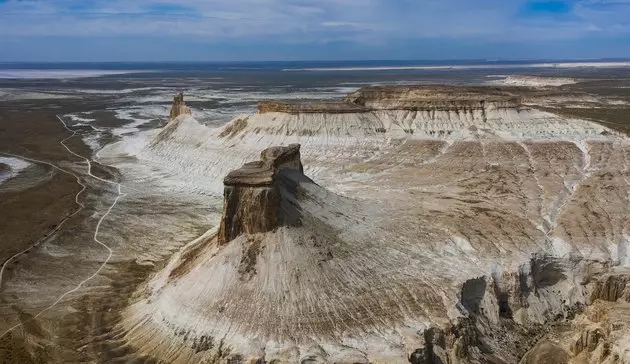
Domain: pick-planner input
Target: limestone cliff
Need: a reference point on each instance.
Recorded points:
(179, 107)
(252, 196)
(446, 225)
(332, 268)
(410, 98)
(431, 97)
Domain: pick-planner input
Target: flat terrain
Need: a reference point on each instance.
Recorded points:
(38, 199)
(32, 130)
(57, 260)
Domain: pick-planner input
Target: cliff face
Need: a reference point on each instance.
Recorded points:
(331, 267)
(410, 98)
(253, 197)
(453, 235)
(311, 108)
(179, 107)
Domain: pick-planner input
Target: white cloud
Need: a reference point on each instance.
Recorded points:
(308, 21)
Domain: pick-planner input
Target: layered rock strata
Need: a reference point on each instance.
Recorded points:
(252, 197)
(446, 225)
(179, 107)
(423, 98)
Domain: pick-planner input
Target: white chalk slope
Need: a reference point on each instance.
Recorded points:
(410, 205)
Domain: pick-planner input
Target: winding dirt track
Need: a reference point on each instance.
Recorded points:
(81, 207)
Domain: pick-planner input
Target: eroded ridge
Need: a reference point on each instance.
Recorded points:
(408, 98)
(447, 223)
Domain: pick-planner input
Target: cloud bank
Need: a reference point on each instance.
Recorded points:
(244, 28)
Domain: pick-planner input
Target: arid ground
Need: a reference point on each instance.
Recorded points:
(54, 214)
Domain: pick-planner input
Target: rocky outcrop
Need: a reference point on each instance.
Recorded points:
(434, 351)
(179, 107)
(610, 288)
(310, 108)
(253, 197)
(588, 340)
(431, 236)
(5, 168)
(409, 98)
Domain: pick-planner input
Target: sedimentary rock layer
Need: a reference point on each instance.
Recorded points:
(454, 232)
(253, 197)
(420, 98)
(179, 107)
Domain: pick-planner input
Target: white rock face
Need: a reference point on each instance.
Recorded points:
(417, 219)
(536, 81)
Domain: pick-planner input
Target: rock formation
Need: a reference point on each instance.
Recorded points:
(252, 196)
(179, 107)
(409, 98)
(611, 288)
(5, 168)
(431, 97)
(446, 225)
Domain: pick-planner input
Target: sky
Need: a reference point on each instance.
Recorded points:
(261, 30)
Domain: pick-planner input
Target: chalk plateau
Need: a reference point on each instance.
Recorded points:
(536, 81)
(423, 224)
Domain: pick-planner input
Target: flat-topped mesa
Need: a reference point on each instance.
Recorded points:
(311, 108)
(430, 97)
(252, 196)
(179, 107)
(413, 98)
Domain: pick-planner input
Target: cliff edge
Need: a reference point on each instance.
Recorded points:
(411, 98)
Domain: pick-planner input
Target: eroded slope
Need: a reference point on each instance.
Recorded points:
(461, 215)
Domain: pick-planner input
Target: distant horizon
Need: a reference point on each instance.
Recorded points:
(494, 60)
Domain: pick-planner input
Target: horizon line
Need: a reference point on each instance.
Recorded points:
(486, 60)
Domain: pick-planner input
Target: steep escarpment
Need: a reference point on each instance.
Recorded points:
(327, 131)
(431, 97)
(333, 275)
(411, 112)
(473, 230)
(253, 197)
(424, 98)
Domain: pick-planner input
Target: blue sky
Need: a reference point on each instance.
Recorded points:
(219, 30)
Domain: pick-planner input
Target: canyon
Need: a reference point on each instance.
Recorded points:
(423, 224)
